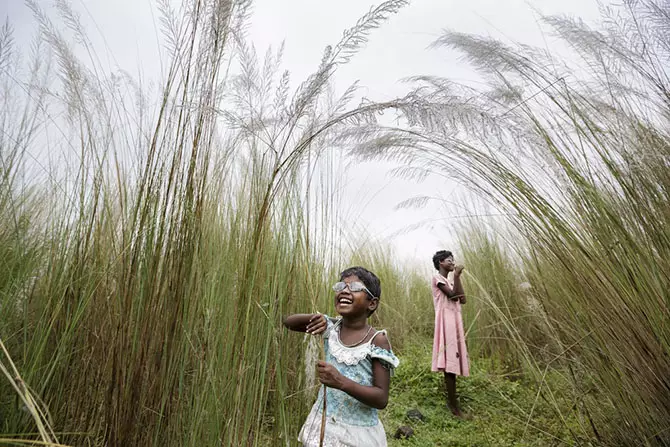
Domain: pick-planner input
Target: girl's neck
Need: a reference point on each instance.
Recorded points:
(355, 323)
(444, 272)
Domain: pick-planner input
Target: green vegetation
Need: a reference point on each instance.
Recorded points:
(577, 157)
(151, 241)
(503, 409)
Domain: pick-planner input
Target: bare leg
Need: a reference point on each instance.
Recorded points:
(452, 399)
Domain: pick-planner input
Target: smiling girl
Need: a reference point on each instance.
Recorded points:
(358, 367)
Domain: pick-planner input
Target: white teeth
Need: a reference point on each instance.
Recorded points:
(345, 301)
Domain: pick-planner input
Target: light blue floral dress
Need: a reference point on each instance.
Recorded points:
(349, 422)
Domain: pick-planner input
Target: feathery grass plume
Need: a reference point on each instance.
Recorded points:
(176, 235)
(578, 153)
(19, 212)
(281, 140)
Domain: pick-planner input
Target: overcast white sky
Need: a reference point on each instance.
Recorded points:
(125, 34)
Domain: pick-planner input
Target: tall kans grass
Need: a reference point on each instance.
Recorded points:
(577, 154)
(151, 242)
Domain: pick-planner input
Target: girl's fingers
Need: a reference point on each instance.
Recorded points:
(314, 329)
(315, 321)
(316, 324)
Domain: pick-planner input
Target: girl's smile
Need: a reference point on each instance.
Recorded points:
(344, 301)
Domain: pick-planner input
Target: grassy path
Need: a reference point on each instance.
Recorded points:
(500, 408)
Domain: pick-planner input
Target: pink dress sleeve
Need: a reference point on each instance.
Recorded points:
(438, 295)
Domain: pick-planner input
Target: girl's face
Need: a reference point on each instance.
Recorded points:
(348, 303)
(448, 263)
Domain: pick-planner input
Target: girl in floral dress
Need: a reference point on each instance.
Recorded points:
(358, 366)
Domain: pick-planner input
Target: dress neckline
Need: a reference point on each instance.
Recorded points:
(336, 330)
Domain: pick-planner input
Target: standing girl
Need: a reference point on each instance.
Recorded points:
(358, 367)
(450, 356)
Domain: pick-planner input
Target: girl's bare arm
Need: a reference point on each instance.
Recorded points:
(457, 293)
(448, 291)
(311, 323)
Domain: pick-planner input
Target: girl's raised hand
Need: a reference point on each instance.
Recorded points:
(317, 324)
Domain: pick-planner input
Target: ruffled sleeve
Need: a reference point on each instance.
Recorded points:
(386, 357)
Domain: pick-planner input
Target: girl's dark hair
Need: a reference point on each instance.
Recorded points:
(369, 279)
(439, 257)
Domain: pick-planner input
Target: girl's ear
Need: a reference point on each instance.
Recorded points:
(373, 304)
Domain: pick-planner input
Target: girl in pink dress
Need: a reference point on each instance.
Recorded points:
(450, 356)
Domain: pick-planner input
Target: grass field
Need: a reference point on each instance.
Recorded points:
(503, 408)
(151, 239)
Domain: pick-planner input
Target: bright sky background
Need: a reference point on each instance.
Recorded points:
(125, 34)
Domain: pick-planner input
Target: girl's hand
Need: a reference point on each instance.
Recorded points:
(317, 324)
(458, 269)
(329, 375)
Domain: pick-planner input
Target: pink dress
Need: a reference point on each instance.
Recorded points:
(449, 351)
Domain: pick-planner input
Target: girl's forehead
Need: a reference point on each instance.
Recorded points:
(351, 278)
